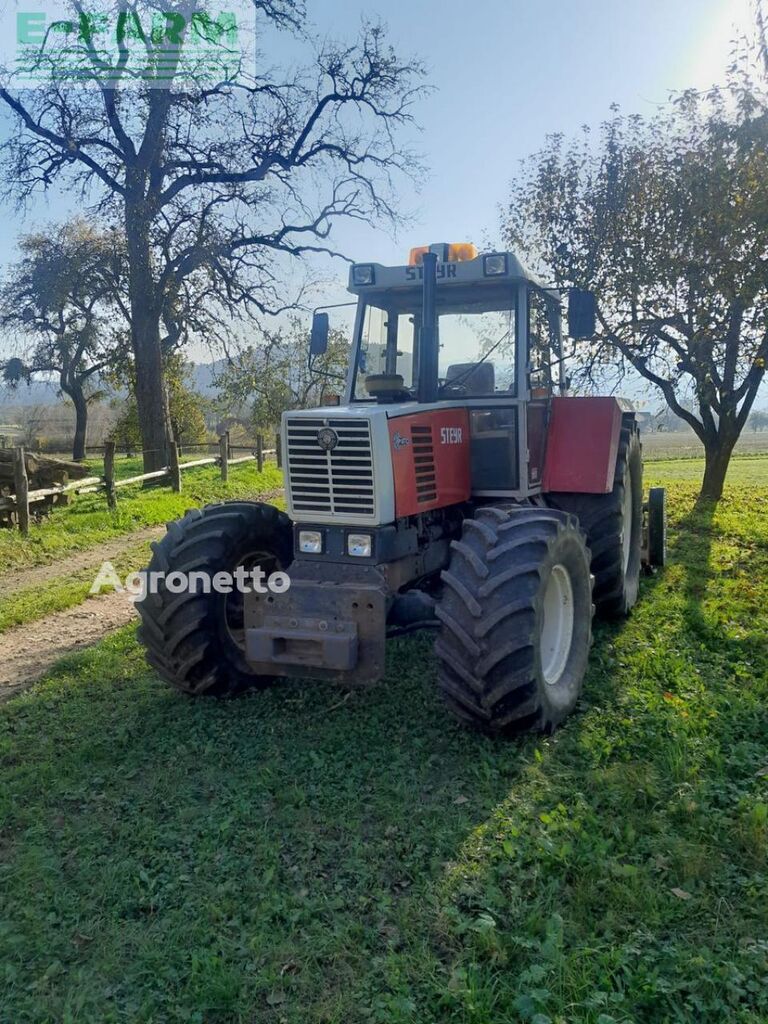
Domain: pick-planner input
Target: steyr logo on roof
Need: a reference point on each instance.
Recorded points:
(327, 438)
(443, 270)
(399, 441)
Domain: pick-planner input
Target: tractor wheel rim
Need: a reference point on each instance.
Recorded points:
(234, 603)
(557, 626)
(627, 516)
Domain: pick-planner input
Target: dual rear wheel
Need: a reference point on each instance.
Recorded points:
(613, 524)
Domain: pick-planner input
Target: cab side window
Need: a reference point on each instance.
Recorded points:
(543, 344)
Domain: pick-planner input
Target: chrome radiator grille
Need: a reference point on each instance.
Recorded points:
(337, 481)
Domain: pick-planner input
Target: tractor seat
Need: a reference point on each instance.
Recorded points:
(479, 378)
(387, 387)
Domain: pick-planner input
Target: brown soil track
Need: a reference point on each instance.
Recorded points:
(76, 561)
(29, 650)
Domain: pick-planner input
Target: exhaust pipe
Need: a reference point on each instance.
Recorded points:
(428, 344)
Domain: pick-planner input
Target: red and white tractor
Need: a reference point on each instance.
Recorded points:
(457, 487)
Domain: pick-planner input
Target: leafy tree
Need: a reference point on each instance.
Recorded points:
(667, 221)
(759, 420)
(59, 301)
(186, 410)
(215, 183)
(275, 376)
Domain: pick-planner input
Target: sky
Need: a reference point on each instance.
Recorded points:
(509, 72)
(505, 74)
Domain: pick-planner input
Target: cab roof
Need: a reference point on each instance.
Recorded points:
(462, 275)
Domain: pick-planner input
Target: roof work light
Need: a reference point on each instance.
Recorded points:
(362, 273)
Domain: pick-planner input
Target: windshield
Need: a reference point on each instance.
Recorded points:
(476, 349)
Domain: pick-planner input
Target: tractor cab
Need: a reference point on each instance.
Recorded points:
(483, 306)
(489, 339)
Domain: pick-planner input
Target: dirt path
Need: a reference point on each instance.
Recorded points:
(76, 561)
(27, 651)
(73, 562)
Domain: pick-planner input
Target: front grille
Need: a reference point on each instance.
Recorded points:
(424, 463)
(330, 482)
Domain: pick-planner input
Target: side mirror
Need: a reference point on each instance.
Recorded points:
(318, 339)
(582, 314)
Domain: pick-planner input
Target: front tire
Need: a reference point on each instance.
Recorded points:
(194, 640)
(515, 620)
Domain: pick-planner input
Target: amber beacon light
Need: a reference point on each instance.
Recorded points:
(447, 252)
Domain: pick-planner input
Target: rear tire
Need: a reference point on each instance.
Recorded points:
(657, 527)
(515, 620)
(614, 527)
(195, 640)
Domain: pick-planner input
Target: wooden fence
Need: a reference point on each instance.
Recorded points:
(18, 504)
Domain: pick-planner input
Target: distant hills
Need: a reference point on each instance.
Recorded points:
(41, 392)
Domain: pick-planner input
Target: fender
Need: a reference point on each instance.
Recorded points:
(582, 444)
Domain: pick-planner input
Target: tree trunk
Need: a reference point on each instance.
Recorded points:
(151, 392)
(717, 459)
(74, 391)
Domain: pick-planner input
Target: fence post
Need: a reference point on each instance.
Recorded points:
(21, 485)
(173, 465)
(224, 456)
(278, 451)
(259, 452)
(109, 473)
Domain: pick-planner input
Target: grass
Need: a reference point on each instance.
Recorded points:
(133, 465)
(64, 591)
(88, 521)
(305, 855)
(745, 471)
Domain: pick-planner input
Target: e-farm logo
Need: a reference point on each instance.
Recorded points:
(114, 46)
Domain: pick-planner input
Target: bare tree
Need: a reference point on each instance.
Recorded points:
(213, 181)
(59, 301)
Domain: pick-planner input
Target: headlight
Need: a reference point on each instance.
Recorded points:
(362, 273)
(495, 264)
(310, 542)
(359, 544)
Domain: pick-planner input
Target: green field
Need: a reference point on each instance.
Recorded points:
(306, 855)
(685, 445)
